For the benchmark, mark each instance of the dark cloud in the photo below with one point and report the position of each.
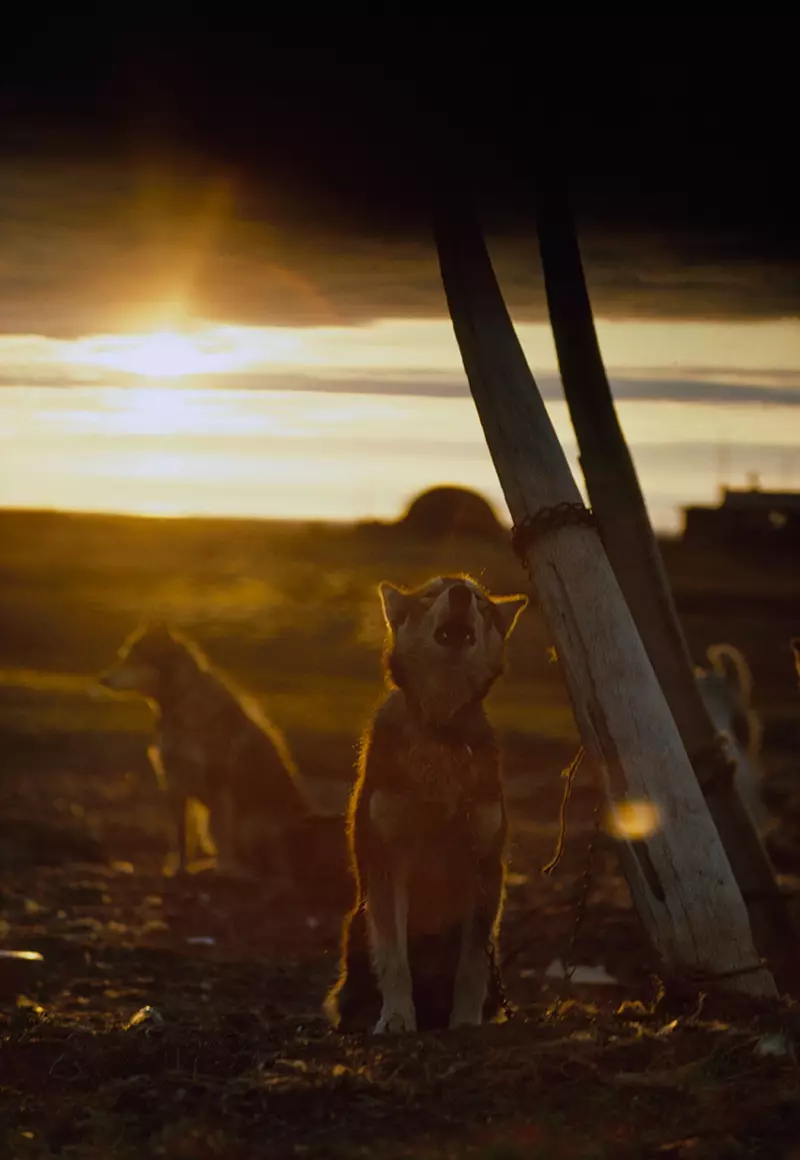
(280, 174)
(93, 246)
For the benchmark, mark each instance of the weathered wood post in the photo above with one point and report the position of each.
(633, 552)
(679, 876)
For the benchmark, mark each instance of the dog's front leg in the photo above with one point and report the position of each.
(481, 915)
(387, 911)
(178, 804)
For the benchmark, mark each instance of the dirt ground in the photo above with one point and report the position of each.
(180, 1018)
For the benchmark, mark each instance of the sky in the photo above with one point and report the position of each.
(219, 293)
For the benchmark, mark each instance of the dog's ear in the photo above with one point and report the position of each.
(394, 602)
(509, 610)
(795, 644)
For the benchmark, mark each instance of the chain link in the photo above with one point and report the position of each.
(582, 903)
(549, 519)
(568, 773)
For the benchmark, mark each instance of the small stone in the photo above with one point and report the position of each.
(145, 1019)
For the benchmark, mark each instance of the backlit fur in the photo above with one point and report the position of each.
(212, 746)
(427, 821)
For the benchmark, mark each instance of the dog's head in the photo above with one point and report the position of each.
(144, 662)
(447, 641)
(795, 644)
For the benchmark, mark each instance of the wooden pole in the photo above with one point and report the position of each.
(679, 875)
(634, 554)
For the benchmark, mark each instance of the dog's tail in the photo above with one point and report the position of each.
(353, 1002)
(730, 663)
(727, 660)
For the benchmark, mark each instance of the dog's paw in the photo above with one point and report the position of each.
(465, 1019)
(396, 1022)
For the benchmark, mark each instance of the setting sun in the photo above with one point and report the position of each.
(164, 355)
(173, 354)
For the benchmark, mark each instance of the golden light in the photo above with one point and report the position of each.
(171, 354)
(165, 355)
(631, 821)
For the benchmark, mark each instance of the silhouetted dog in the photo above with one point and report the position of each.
(427, 821)
(727, 690)
(213, 745)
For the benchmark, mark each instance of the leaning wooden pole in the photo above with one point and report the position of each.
(679, 876)
(634, 554)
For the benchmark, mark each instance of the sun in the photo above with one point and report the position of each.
(165, 355)
(173, 354)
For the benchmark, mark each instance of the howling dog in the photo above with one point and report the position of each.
(212, 745)
(427, 822)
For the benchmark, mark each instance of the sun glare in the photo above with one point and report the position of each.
(165, 355)
(173, 354)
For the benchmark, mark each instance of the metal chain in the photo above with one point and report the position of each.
(569, 773)
(581, 906)
(549, 519)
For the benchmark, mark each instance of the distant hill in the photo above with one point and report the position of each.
(444, 512)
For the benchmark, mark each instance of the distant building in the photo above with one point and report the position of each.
(746, 519)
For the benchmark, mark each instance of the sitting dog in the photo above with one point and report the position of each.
(214, 747)
(727, 691)
(427, 821)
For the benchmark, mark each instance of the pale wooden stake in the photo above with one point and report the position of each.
(679, 876)
(634, 554)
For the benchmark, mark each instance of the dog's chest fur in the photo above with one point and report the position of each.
(430, 780)
(431, 797)
(440, 772)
